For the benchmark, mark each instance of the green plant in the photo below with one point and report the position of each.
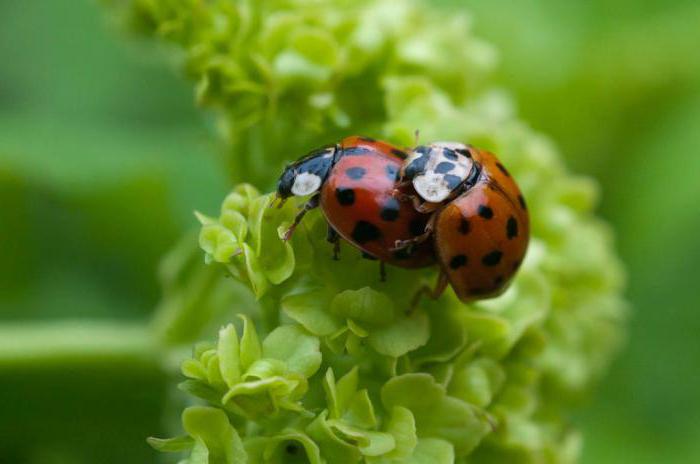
(328, 367)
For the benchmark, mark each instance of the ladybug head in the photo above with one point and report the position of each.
(306, 175)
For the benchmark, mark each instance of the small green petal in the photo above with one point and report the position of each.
(254, 272)
(333, 449)
(331, 394)
(276, 449)
(250, 345)
(379, 443)
(404, 335)
(312, 310)
(402, 427)
(432, 451)
(364, 306)
(229, 355)
(193, 369)
(452, 339)
(359, 412)
(297, 348)
(175, 444)
(345, 389)
(211, 427)
(201, 390)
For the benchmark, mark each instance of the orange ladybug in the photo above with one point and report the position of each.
(479, 224)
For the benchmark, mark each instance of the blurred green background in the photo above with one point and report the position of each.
(103, 157)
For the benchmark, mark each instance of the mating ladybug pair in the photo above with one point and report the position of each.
(444, 202)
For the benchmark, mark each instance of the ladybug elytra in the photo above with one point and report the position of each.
(444, 202)
(353, 183)
(480, 226)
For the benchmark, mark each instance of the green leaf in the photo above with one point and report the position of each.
(250, 345)
(379, 443)
(491, 332)
(256, 277)
(333, 449)
(277, 448)
(236, 223)
(331, 394)
(211, 427)
(478, 382)
(229, 355)
(452, 339)
(436, 414)
(175, 444)
(364, 306)
(359, 412)
(404, 335)
(402, 427)
(200, 390)
(293, 345)
(312, 310)
(346, 388)
(432, 451)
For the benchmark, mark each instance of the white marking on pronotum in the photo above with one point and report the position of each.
(431, 187)
(306, 183)
(449, 145)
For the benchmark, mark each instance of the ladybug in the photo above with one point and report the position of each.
(479, 225)
(354, 182)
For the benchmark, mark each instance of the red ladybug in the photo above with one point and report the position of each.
(480, 224)
(354, 183)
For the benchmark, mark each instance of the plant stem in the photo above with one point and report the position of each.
(76, 343)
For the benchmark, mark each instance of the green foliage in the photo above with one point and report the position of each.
(446, 381)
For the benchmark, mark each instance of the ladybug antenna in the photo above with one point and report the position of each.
(417, 136)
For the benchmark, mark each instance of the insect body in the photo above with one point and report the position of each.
(480, 224)
(353, 182)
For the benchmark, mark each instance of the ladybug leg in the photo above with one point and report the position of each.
(333, 237)
(308, 206)
(432, 293)
(382, 271)
(417, 240)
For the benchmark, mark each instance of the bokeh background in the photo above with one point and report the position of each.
(103, 157)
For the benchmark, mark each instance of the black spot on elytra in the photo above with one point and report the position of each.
(464, 151)
(452, 181)
(400, 153)
(458, 261)
(450, 154)
(356, 173)
(464, 226)
(365, 232)
(492, 259)
(367, 139)
(444, 167)
(392, 172)
(512, 228)
(521, 199)
(502, 169)
(485, 212)
(416, 227)
(345, 196)
(355, 151)
(390, 210)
